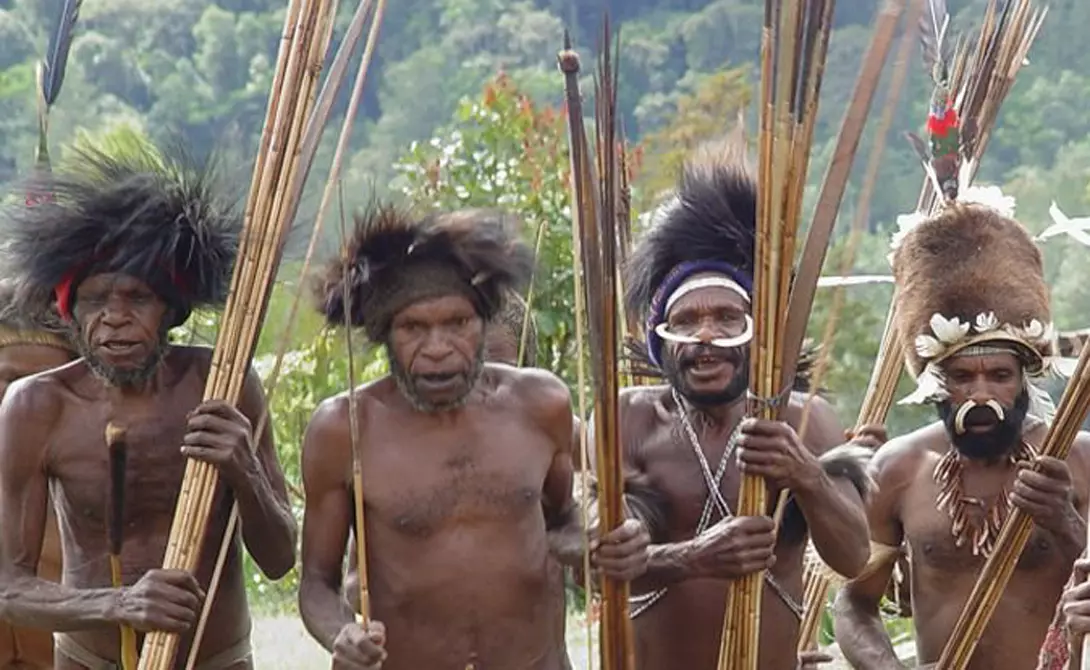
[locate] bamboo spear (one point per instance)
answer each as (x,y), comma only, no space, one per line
(269,213)
(337,74)
(595,223)
(568,61)
(817,582)
(793,47)
(805,283)
(115,529)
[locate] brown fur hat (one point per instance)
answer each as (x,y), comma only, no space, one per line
(973,264)
(394,259)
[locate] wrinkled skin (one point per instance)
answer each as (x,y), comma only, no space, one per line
(683,629)
(903,510)
(24,648)
(52,429)
(459,505)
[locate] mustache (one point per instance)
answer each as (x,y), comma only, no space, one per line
(688,356)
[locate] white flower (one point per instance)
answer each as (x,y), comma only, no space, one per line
(989,196)
(986,322)
(1034,330)
(928,347)
(949,331)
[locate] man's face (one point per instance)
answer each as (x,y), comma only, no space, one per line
(973,382)
(22,360)
(122,332)
(704,374)
(436,349)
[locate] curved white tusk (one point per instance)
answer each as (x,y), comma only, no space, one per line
(959,418)
(722,342)
(997,408)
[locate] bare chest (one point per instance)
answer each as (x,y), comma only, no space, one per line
(685,473)
(424,481)
(934,544)
(79,464)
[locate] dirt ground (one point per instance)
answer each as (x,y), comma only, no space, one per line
(283,644)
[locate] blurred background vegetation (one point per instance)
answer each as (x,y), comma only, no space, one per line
(463,107)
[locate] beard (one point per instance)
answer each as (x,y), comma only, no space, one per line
(679,361)
(995,443)
(407,384)
(123,378)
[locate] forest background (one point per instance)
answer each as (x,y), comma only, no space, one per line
(463,108)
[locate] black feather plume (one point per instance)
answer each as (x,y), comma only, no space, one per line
(161,218)
(712,217)
(56,58)
(51,73)
(392,254)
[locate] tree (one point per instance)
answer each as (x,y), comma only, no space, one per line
(708,112)
(503,151)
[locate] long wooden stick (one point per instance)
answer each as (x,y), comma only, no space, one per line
(118,457)
(337,73)
(595,222)
(268,217)
(793,47)
(817,582)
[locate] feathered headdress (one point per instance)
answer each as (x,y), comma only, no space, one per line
(970,277)
(708,226)
(394,260)
(141,213)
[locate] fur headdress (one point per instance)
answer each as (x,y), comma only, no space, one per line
(155,217)
(967,278)
(394,260)
(708,226)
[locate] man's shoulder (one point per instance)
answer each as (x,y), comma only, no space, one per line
(1080,448)
(48,388)
(641,408)
(333,412)
(643,397)
(544,387)
(899,459)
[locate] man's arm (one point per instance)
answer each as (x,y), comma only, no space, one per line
(667,562)
(327,456)
(832,505)
(550,403)
(268,527)
(857,622)
(28,411)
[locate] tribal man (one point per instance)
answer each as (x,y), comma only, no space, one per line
(127,247)
(503,337)
(31,343)
(466,465)
(687,443)
(973,308)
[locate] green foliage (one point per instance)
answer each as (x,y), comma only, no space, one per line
(503,151)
